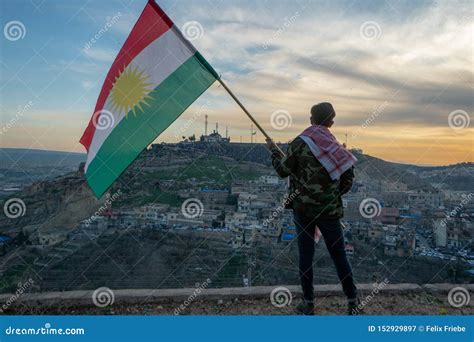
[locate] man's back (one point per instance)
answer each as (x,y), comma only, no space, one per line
(318,194)
(320,171)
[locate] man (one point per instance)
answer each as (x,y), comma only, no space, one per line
(320,171)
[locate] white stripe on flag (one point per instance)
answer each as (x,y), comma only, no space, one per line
(159,60)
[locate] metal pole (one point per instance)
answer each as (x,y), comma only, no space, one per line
(246,112)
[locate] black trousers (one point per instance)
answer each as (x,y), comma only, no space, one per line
(334,239)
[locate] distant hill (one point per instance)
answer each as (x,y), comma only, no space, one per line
(372,169)
(439,168)
(458,177)
(20,157)
(34,157)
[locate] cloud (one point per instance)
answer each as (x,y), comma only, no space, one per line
(87,68)
(88,85)
(100,54)
(291,54)
(321,55)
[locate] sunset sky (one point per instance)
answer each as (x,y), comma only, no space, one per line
(399,73)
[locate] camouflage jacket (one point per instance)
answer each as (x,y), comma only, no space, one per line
(313,192)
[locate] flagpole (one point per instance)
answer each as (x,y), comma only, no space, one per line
(247,112)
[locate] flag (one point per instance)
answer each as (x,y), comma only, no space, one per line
(156,75)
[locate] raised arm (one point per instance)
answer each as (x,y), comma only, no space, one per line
(284,165)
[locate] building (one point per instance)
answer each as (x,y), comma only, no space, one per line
(452,233)
(273,180)
(395,199)
(240,186)
(243,236)
(398,241)
(50,238)
(351,202)
(440,232)
(426,199)
(214,137)
(392,186)
(388,215)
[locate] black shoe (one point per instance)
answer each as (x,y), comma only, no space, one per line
(305,308)
(354,308)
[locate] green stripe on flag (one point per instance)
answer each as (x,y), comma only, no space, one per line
(135,132)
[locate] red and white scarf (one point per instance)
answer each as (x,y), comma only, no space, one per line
(331,154)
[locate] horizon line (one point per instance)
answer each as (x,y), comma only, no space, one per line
(175,143)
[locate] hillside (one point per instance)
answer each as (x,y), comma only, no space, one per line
(32,165)
(458,177)
(158,174)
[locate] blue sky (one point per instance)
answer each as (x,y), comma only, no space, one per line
(387,66)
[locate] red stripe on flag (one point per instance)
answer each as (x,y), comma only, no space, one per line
(152,23)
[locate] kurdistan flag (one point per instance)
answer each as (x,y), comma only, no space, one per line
(155,77)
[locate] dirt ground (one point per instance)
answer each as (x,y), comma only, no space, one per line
(382,304)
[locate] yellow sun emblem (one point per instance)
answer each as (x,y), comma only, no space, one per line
(130,91)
